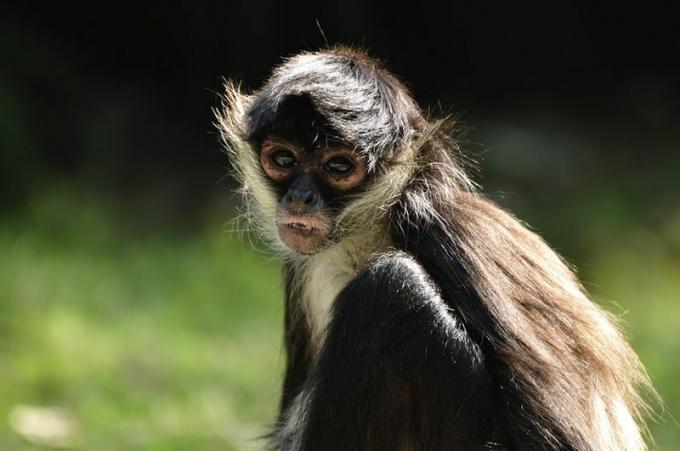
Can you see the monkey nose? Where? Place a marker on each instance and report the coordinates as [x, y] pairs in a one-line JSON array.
[[302, 201], [306, 198]]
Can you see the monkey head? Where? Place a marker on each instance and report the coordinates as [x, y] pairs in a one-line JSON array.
[[325, 131], [311, 183], [312, 172]]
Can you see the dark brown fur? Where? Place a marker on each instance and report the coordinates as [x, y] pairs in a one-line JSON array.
[[564, 376]]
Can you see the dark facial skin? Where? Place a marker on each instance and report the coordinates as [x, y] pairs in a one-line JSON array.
[[312, 182]]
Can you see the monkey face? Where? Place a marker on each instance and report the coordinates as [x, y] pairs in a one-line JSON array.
[[312, 183]]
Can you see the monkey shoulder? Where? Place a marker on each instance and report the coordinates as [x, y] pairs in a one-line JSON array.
[[395, 273], [395, 296]]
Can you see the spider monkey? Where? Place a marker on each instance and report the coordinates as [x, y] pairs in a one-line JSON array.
[[418, 314]]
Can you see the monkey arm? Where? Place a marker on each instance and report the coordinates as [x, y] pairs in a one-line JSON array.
[[397, 370]]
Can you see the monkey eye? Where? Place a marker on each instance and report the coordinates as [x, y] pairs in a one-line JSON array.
[[283, 158], [338, 166]]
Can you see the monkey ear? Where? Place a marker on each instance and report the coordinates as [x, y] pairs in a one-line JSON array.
[[231, 117], [231, 120]]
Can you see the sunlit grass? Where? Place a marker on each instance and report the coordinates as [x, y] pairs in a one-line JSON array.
[[160, 341]]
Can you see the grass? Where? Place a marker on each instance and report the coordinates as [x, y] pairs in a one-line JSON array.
[[159, 342], [170, 340]]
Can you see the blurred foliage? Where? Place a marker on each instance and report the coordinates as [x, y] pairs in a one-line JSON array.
[[159, 340]]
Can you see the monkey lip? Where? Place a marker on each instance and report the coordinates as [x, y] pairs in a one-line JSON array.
[[303, 226], [303, 234]]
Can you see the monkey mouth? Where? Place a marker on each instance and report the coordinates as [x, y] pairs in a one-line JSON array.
[[303, 234]]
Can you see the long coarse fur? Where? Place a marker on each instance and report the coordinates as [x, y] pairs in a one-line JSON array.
[[565, 372], [565, 376]]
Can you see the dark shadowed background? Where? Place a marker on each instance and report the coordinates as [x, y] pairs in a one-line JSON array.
[[131, 319]]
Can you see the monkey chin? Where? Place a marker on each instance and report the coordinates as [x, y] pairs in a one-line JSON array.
[[305, 235]]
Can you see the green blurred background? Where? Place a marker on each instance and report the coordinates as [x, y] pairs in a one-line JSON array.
[[132, 319]]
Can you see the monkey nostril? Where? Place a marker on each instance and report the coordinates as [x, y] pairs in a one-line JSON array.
[[309, 197]]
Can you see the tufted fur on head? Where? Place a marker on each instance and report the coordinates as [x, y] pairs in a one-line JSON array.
[[567, 378], [365, 106], [363, 103]]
